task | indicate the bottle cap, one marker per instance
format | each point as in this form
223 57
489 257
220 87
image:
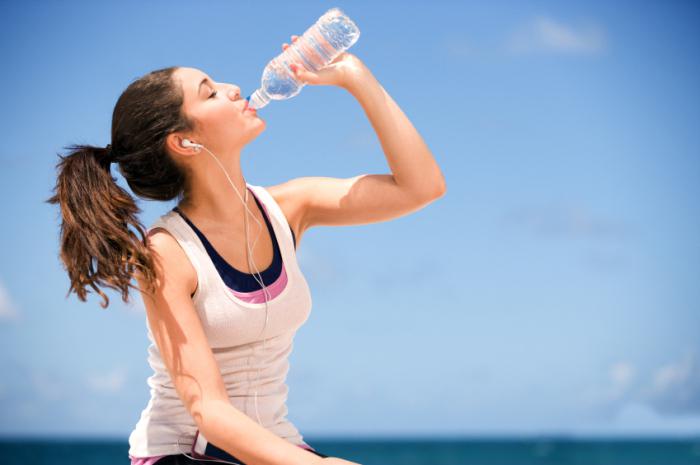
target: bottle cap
258 99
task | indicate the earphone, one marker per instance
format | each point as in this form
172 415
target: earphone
189 143
251 265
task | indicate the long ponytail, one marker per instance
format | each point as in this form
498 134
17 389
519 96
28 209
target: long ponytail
100 243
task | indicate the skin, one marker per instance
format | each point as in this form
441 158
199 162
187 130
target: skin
224 128
415 181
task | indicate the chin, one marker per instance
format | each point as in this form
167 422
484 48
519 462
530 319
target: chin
261 126
254 133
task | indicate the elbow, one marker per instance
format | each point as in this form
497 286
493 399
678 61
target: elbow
205 413
443 189
432 194
440 189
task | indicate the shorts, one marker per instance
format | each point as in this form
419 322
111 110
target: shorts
182 459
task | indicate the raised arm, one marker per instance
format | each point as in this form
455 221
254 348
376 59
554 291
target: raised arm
415 179
412 164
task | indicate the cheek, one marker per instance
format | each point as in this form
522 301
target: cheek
226 118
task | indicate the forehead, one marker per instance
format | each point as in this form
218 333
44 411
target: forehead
189 79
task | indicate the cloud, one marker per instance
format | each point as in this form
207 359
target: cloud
458 46
361 139
318 267
635 418
418 272
52 399
8 309
675 387
47 385
603 401
546 35
567 221
111 382
670 390
621 376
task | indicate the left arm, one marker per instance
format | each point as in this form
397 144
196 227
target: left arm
416 179
413 167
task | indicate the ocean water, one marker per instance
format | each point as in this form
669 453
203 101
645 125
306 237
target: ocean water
505 451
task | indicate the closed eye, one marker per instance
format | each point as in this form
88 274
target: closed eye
213 94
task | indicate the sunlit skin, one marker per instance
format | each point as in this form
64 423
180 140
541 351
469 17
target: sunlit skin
224 127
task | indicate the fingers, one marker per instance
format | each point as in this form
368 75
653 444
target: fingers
298 70
286 45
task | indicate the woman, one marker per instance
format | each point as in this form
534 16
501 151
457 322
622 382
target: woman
176 134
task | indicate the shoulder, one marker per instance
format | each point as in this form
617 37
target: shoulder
169 257
287 196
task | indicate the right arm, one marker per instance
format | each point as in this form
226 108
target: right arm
183 345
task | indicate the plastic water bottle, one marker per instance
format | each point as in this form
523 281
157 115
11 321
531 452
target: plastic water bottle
333 33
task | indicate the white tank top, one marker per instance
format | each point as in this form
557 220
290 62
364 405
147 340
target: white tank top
232 327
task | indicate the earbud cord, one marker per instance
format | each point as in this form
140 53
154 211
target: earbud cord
251 265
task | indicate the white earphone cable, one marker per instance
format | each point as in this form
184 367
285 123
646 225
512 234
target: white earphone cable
251 266
258 279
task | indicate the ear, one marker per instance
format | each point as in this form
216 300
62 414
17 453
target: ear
173 143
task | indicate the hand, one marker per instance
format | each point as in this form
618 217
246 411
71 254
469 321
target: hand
343 71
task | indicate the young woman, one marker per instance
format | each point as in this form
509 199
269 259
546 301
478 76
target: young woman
177 134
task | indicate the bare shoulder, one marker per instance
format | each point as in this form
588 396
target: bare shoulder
169 255
291 204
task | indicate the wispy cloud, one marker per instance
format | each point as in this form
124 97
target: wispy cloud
457 45
566 221
48 385
675 387
110 382
602 400
362 139
419 271
672 389
546 35
317 267
8 309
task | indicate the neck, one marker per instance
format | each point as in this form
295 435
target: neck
211 198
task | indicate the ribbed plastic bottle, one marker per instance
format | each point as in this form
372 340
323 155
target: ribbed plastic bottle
331 35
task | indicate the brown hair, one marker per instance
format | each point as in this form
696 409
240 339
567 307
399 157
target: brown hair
97 245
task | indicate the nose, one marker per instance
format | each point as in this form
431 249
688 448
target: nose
234 94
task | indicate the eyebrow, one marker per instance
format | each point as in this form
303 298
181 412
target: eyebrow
199 88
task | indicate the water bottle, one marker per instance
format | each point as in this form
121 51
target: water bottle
333 33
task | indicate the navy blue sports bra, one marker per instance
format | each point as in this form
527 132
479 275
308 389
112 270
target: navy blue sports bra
236 279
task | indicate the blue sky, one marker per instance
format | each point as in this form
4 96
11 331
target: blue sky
552 290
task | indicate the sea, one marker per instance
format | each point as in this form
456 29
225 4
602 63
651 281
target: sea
460 451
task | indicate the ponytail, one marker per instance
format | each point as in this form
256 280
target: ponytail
97 246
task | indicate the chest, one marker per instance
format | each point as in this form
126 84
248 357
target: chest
243 245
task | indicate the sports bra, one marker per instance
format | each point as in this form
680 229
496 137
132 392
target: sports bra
234 278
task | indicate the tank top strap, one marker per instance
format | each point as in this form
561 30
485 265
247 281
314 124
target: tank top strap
189 242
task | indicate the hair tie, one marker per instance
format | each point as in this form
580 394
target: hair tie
109 154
